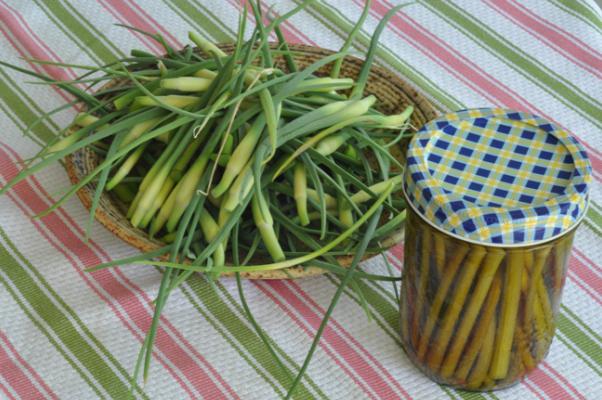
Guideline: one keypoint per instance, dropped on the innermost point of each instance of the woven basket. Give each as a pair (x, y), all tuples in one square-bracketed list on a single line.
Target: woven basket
[(393, 93)]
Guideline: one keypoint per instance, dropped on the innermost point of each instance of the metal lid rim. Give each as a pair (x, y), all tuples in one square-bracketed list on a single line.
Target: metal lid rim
[(575, 225)]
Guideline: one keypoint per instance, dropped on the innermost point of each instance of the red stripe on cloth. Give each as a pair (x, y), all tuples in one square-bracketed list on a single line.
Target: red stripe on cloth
[(394, 262), (586, 279), (32, 43), (169, 38), (290, 31), (458, 65), (127, 17), (589, 262), (440, 50), (594, 158), (578, 264), (7, 392), (397, 252), (337, 342), (58, 246), (558, 28), (327, 347), (127, 282), (239, 4), (566, 46), (11, 368), (563, 380), (572, 38), (577, 281), (351, 339), (440, 54), (550, 386), (24, 44), (26, 25), (534, 389), (201, 379), (597, 153)]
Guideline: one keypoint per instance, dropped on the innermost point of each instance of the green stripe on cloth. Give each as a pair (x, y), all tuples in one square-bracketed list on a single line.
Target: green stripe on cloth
[(388, 319), (283, 355), (594, 218), (580, 339), (585, 329), (10, 115), (239, 331), (377, 298), (48, 335), (593, 215), (105, 48), (382, 286), (511, 55), (200, 15), (62, 326), (379, 301), (582, 356), (25, 108), (228, 336), (72, 29), (580, 10), (332, 19)]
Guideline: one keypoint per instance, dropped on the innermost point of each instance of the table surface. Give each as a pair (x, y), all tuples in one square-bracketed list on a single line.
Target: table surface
[(72, 335)]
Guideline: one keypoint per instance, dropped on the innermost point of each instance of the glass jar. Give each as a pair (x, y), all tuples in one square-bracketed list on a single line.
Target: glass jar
[(494, 198), (478, 317)]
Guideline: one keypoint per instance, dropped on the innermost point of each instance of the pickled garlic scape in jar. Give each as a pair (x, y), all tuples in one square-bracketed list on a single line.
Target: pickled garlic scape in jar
[(495, 197)]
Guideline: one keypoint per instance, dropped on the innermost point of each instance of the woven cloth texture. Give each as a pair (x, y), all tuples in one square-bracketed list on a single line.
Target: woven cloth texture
[(67, 334)]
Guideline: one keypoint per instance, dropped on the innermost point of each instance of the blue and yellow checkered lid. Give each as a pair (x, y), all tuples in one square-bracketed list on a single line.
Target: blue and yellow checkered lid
[(497, 176)]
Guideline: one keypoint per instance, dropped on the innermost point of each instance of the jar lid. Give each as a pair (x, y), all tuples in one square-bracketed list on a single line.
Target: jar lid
[(497, 176)]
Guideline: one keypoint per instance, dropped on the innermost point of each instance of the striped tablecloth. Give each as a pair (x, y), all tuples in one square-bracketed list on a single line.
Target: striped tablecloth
[(67, 334)]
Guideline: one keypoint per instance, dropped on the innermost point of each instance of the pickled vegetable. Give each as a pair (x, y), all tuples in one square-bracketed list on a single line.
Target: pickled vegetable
[(478, 317)]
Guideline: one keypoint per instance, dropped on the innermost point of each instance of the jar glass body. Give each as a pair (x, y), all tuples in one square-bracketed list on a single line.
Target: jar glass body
[(478, 317)]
